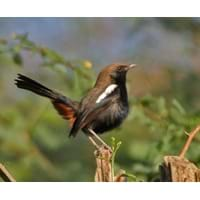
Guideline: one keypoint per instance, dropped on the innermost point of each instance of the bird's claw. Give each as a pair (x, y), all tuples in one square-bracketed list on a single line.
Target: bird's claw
[(106, 147)]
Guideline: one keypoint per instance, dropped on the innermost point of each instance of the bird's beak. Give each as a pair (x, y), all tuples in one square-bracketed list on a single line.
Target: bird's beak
[(131, 66)]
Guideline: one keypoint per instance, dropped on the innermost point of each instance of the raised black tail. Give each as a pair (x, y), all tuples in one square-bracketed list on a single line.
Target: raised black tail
[(29, 84)]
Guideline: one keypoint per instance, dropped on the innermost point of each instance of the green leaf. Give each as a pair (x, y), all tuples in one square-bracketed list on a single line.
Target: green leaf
[(178, 106)]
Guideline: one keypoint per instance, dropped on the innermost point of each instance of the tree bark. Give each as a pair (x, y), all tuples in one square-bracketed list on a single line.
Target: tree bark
[(104, 168), (177, 169)]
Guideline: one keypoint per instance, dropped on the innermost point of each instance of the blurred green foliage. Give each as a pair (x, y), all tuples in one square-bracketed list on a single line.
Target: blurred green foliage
[(33, 139)]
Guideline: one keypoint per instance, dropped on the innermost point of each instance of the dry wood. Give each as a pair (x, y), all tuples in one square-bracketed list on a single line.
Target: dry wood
[(121, 177), (188, 142), (104, 167), (178, 168), (5, 175)]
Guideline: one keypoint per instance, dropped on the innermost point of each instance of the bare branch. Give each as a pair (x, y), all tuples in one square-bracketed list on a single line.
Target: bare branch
[(5, 175), (188, 142)]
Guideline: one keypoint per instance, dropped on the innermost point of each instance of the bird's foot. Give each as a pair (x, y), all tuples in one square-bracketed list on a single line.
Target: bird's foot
[(102, 143), (107, 147)]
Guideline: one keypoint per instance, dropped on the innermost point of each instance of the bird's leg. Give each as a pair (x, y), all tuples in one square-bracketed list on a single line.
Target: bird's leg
[(93, 142), (99, 139)]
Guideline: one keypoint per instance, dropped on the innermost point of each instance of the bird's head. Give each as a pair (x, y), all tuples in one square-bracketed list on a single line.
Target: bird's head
[(114, 73)]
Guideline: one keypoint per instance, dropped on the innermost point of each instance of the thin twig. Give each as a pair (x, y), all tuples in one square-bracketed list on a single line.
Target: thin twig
[(188, 142), (5, 175)]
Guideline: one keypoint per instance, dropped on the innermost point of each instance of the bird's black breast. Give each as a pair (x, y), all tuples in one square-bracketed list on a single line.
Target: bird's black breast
[(110, 112), (111, 118)]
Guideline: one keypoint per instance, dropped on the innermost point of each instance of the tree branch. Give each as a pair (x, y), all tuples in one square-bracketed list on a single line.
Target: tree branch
[(5, 175), (188, 142)]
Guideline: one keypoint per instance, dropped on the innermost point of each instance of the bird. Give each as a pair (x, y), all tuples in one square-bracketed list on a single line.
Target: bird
[(102, 109)]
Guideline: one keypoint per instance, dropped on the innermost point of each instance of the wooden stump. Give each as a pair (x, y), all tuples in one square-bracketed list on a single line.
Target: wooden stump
[(104, 168), (178, 169), (104, 171)]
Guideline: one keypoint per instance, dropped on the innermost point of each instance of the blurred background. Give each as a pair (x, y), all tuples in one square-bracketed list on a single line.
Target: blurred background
[(66, 54)]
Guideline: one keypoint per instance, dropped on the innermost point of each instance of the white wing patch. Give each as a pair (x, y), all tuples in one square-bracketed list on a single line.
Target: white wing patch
[(107, 91)]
